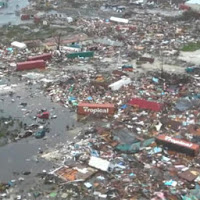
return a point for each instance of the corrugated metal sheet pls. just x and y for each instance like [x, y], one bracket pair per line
[78, 173]
[99, 163]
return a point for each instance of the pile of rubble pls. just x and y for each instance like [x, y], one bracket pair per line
[127, 149]
[144, 134]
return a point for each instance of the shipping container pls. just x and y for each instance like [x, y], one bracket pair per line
[25, 17]
[70, 49]
[144, 104]
[37, 19]
[125, 28]
[92, 108]
[128, 68]
[184, 7]
[46, 56]
[178, 145]
[28, 65]
[146, 59]
[81, 54]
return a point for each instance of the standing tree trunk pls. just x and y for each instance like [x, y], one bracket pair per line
[58, 41]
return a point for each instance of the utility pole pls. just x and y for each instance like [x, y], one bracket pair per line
[161, 75]
[119, 62]
[58, 41]
[161, 66]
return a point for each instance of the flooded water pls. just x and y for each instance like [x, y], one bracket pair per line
[19, 156]
[7, 15]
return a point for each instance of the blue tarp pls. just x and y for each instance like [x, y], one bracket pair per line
[89, 98]
[155, 80]
[123, 106]
[71, 98]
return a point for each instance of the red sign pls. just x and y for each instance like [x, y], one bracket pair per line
[92, 108]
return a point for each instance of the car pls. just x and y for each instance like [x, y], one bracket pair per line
[40, 133]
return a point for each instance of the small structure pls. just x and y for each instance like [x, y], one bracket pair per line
[119, 20]
[18, 45]
[117, 85]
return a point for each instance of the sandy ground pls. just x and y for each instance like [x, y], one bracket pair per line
[191, 57]
[157, 65]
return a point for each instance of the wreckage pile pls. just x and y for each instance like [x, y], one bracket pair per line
[148, 150]
[145, 134]
[118, 165]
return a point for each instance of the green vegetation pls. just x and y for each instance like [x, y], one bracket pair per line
[186, 16]
[29, 32]
[2, 134]
[191, 46]
[2, 187]
[9, 127]
[190, 14]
